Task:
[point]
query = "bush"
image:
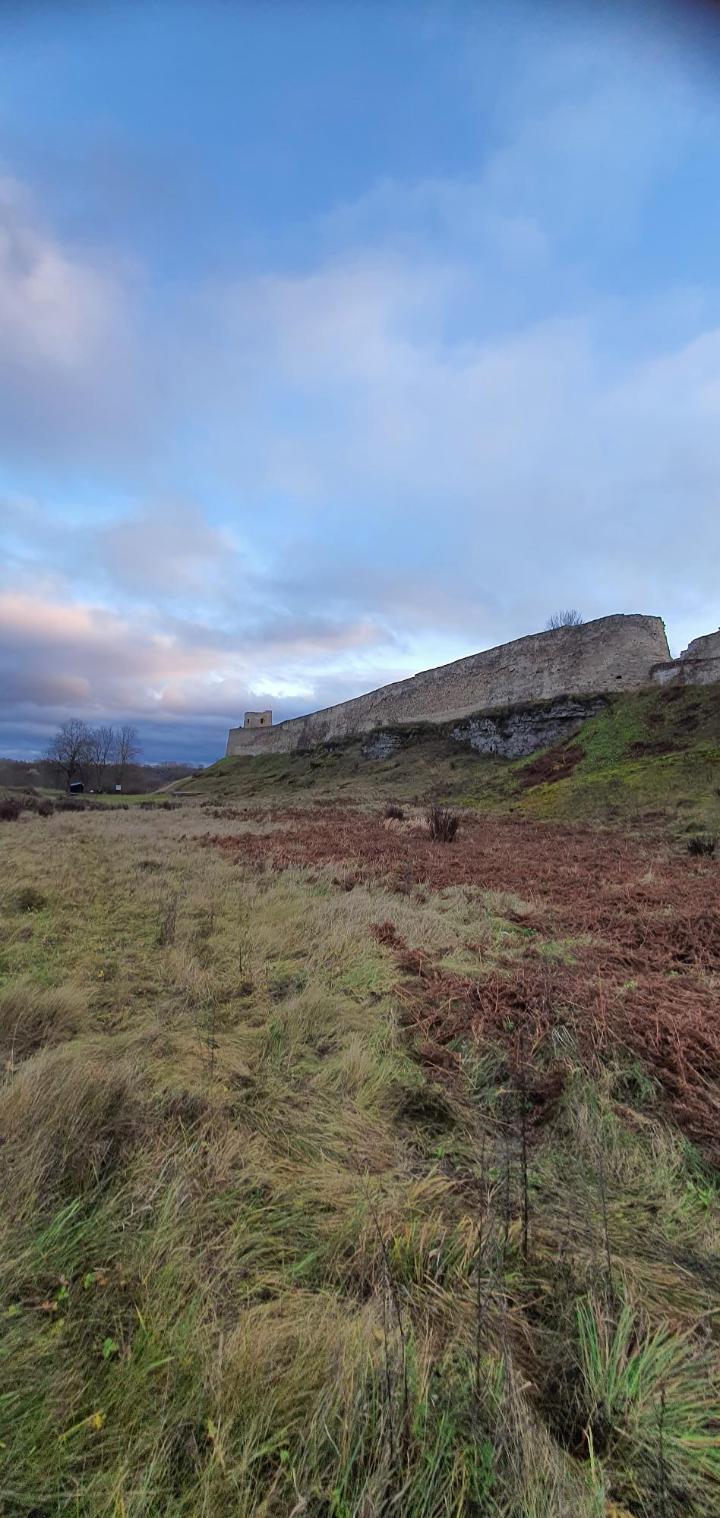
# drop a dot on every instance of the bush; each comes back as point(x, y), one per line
point(32, 803)
point(12, 806)
point(159, 806)
point(567, 618)
point(29, 899)
point(394, 811)
point(442, 823)
point(703, 844)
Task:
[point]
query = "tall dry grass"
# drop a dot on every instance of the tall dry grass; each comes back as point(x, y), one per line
point(239, 1247)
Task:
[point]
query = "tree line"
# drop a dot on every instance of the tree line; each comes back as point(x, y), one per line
point(96, 755)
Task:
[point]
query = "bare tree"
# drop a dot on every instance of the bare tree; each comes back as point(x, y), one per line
point(70, 749)
point(102, 747)
point(127, 748)
point(568, 618)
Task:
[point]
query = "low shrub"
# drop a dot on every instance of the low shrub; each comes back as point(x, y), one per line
point(12, 806)
point(703, 844)
point(442, 824)
point(29, 899)
point(394, 812)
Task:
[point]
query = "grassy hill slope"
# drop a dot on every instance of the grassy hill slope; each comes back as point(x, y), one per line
point(652, 757)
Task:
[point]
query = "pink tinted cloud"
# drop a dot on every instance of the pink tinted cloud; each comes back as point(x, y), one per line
point(65, 657)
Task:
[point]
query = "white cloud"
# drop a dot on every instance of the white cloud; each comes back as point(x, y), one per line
point(168, 547)
point(543, 464)
point(55, 308)
point(73, 380)
point(456, 417)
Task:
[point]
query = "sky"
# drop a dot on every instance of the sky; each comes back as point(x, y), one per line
point(339, 340)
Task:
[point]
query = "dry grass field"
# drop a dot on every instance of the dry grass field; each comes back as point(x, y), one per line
point(347, 1173)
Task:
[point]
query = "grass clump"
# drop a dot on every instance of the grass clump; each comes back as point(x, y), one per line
point(442, 824)
point(65, 1118)
point(32, 1016)
point(648, 1400)
point(703, 844)
point(29, 898)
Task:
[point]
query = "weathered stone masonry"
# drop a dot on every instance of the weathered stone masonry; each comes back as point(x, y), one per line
point(698, 665)
point(596, 658)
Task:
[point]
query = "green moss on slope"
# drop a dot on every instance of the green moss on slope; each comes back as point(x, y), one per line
point(651, 757)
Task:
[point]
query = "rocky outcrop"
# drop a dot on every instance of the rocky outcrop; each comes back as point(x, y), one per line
point(382, 744)
point(513, 734)
point(510, 734)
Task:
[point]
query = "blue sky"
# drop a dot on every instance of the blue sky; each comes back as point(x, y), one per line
point(338, 340)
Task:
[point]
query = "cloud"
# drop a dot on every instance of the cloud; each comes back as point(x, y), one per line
point(167, 546)
point(491, 482)
point(55, 310)
point(72, 379)
point(66, 658)
point(523, 468)
point(476, 398)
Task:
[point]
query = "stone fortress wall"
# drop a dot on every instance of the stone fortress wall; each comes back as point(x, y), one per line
point(596, 658)
point(698, 665)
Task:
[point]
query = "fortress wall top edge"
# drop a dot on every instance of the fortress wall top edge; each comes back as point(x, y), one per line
point(609, 654)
